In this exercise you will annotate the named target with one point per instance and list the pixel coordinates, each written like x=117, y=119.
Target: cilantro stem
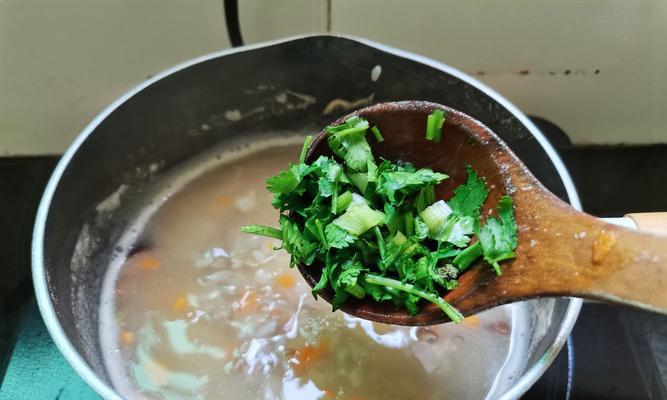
x=351, y=131
x=304, y=149
x=343, y=201
x=409, y=223
x=320, y=233
x=447, y=308
x=434, y=125
x=381, y=246
x=356, y=291
x=495, y=262
x=263, y=231
x=467, y=256
x=377, y=134
x=334, y=200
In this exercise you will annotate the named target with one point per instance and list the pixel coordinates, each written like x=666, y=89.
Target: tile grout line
x=328, y=16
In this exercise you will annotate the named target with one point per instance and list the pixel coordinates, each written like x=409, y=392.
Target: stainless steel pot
x=295, y=84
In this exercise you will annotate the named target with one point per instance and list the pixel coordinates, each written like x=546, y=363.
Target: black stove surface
x=613, y=353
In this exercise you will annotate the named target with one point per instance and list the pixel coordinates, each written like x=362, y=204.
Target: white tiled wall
x=63, y=61
x=598, y=68
x=263, y=20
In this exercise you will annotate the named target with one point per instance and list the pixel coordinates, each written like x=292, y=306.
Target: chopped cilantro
x=498, y=235
x=376, y=228
x=338, y=237
x=377, y=134
x=469, y=197
x=263, y=231
x=434, y=125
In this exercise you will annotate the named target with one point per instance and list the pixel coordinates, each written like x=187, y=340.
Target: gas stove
x=612, y=353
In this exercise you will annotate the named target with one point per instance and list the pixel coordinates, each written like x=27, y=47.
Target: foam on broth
x=197, y=309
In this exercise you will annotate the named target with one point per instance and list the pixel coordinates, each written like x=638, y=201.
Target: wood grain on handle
x=655, y=222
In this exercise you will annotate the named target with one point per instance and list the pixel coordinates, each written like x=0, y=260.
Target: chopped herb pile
x=376, y=228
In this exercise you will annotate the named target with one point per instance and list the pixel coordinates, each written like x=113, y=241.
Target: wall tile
x=263, y=20
x=64, y=61
x=597, y=68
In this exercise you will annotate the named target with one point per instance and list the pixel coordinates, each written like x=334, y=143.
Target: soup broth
x=198, y=310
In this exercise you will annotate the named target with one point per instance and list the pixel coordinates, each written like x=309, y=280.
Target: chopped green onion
x=359, y=218
x=435, y=215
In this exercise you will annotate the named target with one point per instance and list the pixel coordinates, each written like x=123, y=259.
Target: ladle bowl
x=561, y=251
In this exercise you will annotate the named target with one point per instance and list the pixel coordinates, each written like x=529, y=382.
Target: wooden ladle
x=561, y=251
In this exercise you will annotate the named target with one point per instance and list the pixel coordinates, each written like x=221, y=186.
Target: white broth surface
x=198, y=310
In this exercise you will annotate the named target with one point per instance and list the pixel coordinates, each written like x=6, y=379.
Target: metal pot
x=297, y=84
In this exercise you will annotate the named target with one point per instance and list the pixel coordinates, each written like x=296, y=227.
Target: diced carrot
x=471, y=321
x=329, y=394
x=127, y=337
x=180, y=304
x=308, y=355
x=286, y=281
x=225, y=200
x=149, y=263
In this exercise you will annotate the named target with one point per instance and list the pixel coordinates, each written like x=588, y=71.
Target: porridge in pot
x=197, y=309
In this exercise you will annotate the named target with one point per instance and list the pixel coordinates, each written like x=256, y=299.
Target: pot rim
x=38, y=271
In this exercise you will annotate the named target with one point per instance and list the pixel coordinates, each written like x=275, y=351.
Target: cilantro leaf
x=407, y=182
x=338, y=237
x=348, y=141
x=287, y=181
x=322, y=283
x=456, y=230
x=349, y=279
x=421, y=229
x=469, y=197
x=498, y=237
x=326, y=187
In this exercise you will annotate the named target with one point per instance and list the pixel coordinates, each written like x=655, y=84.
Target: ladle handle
x=568, y=253
x=655, y=222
